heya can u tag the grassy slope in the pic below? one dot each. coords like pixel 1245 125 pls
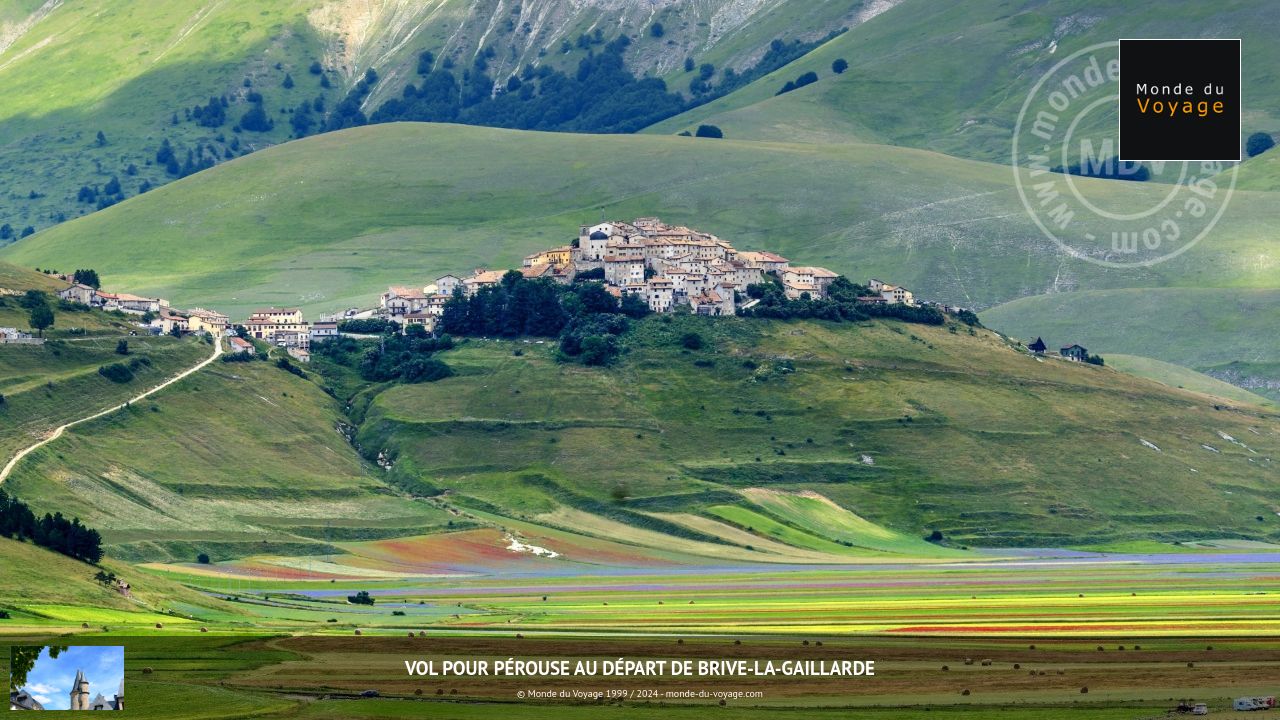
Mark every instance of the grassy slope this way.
pixel 241 457
pixel 1178 376
pixel 1232 324
pixel 969 68
pixel 994 448
pixel 126 68
pixel 952 77
pixel 45 386
pixel 35 579
pixel 328 221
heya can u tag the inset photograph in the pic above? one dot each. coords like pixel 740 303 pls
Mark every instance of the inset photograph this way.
pixel 66 677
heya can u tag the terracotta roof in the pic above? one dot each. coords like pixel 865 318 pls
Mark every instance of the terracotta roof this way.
pixel 407 293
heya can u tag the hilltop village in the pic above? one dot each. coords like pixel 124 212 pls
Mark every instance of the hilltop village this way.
pixel 668 266
pixel 671 268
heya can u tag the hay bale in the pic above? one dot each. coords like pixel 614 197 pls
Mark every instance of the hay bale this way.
pixel 1100 649
pixel 1137 647
pixel 159 626
pixel 737 642
pixel 147 671
pixel 805 643
pixel 1031 647
pixel 965 691
pixel 968 661
pixel 358 632
pixel 410 633
pixel 519 636
pixel 1191 664
pixel 1120 647
pixel 680 641
pixel 84 625
pixel 1209 647
pixel 945 668
pixel 204 629
pixel 1084 690
pixel 418 691
pixel 986 663
pixel 1017 666
pixel 422 633
pixel 439 691
pixel 818 643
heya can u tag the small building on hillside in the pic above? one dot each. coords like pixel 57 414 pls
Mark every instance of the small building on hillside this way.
pixel 323 331
pixel 480 279
pixel 171 322
pixel 300 354
pixel 1078 353
pixel 201 320
pixel 1038 347
pixel 79 293
pixel 446 284
pixel 271 324
pixel 240 345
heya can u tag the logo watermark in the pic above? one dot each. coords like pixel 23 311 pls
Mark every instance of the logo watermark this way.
pixel 1067 131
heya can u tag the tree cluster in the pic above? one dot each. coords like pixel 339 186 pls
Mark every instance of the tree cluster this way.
pixel 87 277
pixel 602 96
pixel 840 305
pixel 408 358
pixel 808 78
pixel 586 318
pixel 1109 169
pixel 69 537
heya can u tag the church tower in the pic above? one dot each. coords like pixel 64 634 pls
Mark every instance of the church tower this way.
pixel 80 692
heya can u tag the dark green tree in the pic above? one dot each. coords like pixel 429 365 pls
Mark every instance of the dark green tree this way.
pixel 41 318
pixel 1259 143
pixel 839 66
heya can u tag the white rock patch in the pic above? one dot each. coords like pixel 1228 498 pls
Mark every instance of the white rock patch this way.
pixel 517 546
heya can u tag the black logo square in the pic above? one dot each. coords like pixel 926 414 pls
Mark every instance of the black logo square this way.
pixel 1180 100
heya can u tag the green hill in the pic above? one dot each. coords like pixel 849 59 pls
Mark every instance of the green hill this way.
pixel 800 441
pixel 46 385
pixel 952 77
pixel 910 427
pixel 1178 376
pixel 329 221
pixel 43 588
pixel 238 458
pixel 1197 328
pixel 135 71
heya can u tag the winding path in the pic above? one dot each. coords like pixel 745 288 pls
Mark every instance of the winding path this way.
pixel 57 432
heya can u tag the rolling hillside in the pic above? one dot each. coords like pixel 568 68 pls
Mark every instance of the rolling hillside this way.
pixel 951 77
pixel 43 588
pixel 239 458
pixel 70 69
pixel 329 221
pixel 907 426
pixel 46 385
pixel 826 442
pixel 1197 328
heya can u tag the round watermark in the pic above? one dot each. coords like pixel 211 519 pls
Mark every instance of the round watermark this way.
pixel 1067 131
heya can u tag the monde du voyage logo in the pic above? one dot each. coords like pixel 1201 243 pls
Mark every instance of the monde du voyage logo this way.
pixel 1164 115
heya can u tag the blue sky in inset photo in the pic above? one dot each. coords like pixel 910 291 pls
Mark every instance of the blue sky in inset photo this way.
pixel 49 682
